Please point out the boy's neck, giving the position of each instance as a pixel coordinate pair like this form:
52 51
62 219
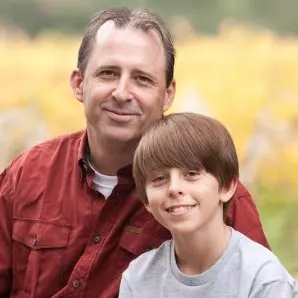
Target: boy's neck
195 254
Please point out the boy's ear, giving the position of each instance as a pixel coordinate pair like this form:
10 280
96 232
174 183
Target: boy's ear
147 207
226 193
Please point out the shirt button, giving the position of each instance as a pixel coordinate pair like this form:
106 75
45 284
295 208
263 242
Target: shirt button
76 283
97 239
34 242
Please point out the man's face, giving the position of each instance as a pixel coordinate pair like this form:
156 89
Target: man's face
186 201
124 87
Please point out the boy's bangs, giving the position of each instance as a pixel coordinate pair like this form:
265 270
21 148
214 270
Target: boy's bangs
169 149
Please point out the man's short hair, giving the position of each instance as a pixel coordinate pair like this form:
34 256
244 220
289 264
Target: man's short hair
133 18
186 140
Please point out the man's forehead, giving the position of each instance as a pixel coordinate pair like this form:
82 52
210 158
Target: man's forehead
108 29
105 31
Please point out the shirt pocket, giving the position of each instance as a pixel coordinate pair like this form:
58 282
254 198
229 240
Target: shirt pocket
38 248
134 242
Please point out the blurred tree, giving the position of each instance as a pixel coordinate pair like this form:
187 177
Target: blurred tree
70 16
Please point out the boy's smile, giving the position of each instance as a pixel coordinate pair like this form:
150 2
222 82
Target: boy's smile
184 200
180 209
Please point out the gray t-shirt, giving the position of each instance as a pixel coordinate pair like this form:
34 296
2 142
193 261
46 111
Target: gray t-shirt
245 269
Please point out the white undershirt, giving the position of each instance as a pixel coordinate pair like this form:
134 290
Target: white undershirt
103 183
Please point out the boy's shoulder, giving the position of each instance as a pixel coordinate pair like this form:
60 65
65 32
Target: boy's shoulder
254 253
150 262
261 263
251 248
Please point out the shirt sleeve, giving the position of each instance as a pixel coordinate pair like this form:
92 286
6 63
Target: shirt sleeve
6 208
125 290
295 295
244 217
280 289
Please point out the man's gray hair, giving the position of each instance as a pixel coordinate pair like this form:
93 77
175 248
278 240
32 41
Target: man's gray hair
128 18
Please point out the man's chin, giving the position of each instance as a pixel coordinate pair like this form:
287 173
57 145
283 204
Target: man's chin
121 136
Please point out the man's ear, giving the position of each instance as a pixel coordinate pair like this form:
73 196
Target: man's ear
226 193
169 96
76 83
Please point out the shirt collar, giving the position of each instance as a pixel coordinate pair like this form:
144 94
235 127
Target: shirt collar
124 174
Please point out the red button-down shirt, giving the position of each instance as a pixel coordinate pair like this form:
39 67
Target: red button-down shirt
61 238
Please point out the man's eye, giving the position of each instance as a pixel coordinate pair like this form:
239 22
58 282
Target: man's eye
108 74
143 80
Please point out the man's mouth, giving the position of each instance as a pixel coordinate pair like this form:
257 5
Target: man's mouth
122 113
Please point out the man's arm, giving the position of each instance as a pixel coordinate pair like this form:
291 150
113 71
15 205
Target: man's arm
5 235
244 217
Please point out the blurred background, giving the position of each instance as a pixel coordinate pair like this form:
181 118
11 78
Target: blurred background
236 60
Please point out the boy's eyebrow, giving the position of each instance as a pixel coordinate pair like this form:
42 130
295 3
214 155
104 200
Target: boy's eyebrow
150 173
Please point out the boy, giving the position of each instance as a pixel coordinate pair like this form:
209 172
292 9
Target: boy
186 172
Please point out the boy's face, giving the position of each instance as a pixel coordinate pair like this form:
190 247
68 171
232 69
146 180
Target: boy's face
185 201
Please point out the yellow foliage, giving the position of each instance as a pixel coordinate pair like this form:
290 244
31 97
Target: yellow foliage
239 75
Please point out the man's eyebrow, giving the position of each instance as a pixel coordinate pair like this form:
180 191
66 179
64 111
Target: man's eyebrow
142 72
107 66
99 69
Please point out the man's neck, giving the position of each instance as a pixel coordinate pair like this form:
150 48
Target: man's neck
108 156
195 254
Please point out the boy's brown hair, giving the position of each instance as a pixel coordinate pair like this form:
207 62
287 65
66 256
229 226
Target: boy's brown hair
186 140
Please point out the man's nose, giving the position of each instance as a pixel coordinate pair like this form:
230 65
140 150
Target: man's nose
122 91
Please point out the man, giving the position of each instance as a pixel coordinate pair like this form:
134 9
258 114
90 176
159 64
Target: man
70 219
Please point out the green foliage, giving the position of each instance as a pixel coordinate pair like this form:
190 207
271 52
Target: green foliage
205 15
278 209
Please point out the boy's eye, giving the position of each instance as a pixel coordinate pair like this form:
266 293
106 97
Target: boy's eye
192 173
158 179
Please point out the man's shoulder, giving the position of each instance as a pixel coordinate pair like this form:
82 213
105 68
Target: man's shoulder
243 216
47 148
241 191
55 142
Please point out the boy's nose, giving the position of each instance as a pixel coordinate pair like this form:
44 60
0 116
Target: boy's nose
175 189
